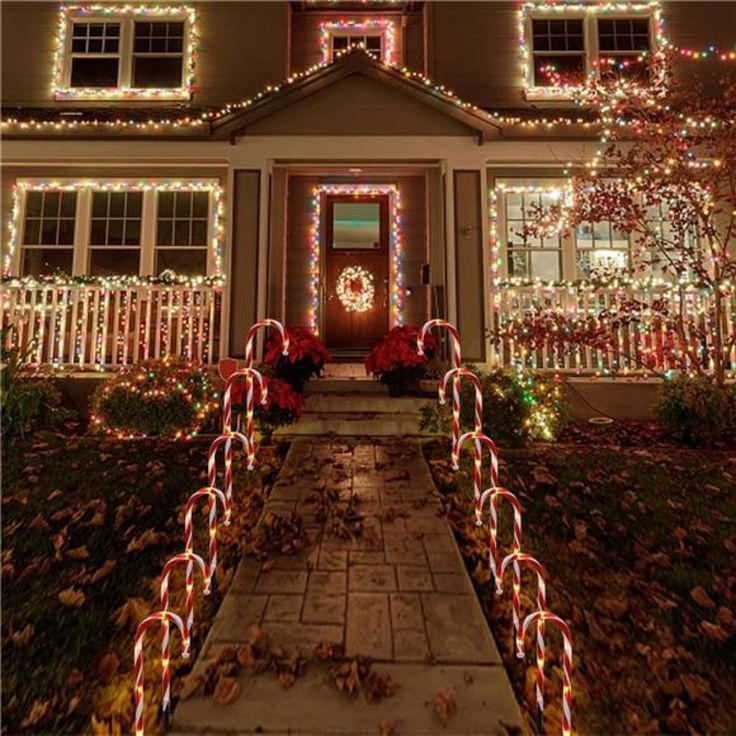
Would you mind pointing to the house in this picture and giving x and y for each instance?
(174, 171)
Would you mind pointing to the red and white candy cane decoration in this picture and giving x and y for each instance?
(492, 495)
(543, 617)
(253, 331)
(225, 439)
(184, 558)
(214, 495)
(480, 440)
(166, 618)
(459, 373)
(456, 360)
(249, 374)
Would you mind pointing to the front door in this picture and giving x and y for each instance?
(356, 295)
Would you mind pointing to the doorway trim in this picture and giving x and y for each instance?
(316, 251)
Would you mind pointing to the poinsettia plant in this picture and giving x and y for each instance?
(396, 360)
(307, 357)
(283, 405)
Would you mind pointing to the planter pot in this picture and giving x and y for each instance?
(395, 387)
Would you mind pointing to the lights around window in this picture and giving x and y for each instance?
(125, 52)
(375, 35)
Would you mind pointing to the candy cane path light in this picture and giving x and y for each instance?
(249, 374)
(458, 373)
(480, 440)
(456, 360)
(213, 494)
(253, 331)
(492, 495)
(166, 618)
(212, 457)
(547, 616)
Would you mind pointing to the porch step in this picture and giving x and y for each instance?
(344, 385)
(372, 403)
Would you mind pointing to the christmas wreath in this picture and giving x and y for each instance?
(355, 289)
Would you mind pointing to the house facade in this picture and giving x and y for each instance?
(174, 171)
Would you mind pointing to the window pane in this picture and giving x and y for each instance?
(132, 232)
(200, 207)
(48, 232)
(166, 204)
(68, 204)
(47, 261)
(94, 72)
(199, 232)
(98, 233)
(99, 204)
(134, 204)
(115, 232)
(548, 69)
(181, 232)
(32, 232)
(117, 204)
(183, 204)
(545, 265)
(116, 261)
(185, 262)
(33, 204)
(66, 232)
(51, 204)
(162, 72)
(165, 232)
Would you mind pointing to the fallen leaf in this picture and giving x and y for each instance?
(22, 637)
(108, 666)
(131, 613)
(40, 711)
(72, 597)
(78, 553)
(149, 538)
(107, 567)
(701, 597)
(387, 728)
(444, 705)
(189, 686)
(226, 691)
(714, 632)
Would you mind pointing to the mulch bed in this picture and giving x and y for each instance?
(639, 540)
(87, 525)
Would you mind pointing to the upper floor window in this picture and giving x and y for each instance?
(116, 227)
(125, 52)
(564, 45)
(376, 36)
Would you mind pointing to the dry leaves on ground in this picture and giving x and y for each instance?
(444, 706)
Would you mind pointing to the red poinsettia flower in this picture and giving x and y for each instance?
(303, 345)
(398, 350)
(281, 396)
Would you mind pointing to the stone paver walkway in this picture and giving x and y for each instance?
(398, 594)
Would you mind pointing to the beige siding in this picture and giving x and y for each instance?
(299, 223)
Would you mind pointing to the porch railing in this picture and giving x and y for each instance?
(649, 345)
(102, 327)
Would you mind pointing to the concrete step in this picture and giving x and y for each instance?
(363, 402)
(355, 423)
(345, 385)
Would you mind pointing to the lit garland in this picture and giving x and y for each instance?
(355, 289)
(397, 278)
(217, 231)
(651, 9)
(70, 13)
(365, 26)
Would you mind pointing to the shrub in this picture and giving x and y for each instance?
(395, 359)
(27, 402)
(517, 408)
(171, 397)
(694, 410)
(283, 405)
(307, 357)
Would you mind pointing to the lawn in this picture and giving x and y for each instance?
(639, 542)
(87, 525)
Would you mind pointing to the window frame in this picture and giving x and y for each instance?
(82, 248)
(590, 15)
(126, 16)
(383, 27)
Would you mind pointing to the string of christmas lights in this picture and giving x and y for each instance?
(68, 14)
(387, 28)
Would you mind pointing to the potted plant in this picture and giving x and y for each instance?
(307, 357)
(283, 406)
(396, 362)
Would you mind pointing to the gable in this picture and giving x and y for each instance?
(358, 106)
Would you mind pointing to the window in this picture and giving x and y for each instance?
(95, 54)
(372, 43)
(621, 42)
(115, 235)
(559, 51)
(600, 249)
(531, 256)
(116, 227)
(125, 51)
(181, 233)
(48, 232)
(157, 54)
(376, 35)
(567, 45)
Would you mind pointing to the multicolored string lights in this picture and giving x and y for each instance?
(364, 26)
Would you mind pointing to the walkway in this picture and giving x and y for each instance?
(398, 594)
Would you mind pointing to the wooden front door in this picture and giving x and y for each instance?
(356, 285)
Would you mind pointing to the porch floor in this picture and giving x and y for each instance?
(398, 594)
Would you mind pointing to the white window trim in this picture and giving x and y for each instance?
(126, 16)
(149, 216)
(590, 14)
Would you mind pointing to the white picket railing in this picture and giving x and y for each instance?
(654, 342)
(94, 327)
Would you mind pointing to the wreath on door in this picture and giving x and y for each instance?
(355, 289)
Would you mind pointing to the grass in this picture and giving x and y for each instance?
(97, 518)
(639, 545)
